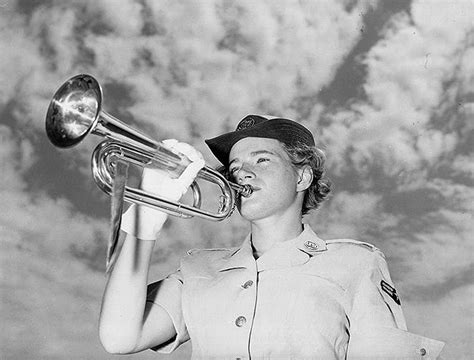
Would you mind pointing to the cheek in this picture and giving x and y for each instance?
(286, 178)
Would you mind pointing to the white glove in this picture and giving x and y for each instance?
(146, 223)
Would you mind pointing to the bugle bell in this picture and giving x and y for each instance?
(76, 111)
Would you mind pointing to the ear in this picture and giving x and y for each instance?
(305, 178)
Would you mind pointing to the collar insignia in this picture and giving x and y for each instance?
(311, 245)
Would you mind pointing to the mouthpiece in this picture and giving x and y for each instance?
(245, 190)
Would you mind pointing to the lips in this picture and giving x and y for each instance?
(250, 184)
(254, 189)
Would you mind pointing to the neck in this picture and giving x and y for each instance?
(268, 232)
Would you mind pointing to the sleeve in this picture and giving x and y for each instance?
(167, 294)
(377, 324)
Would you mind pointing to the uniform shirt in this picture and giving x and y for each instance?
(304, 298)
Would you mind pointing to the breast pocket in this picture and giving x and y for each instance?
(207, 300)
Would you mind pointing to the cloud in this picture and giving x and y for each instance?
(436, 255)
(124, 20)
(448, 319)
(399, 153)
(34, 221)
(15, 159)
(203, 72)
(405, 144)
(351, 215)
(463, 165)
(407, 73)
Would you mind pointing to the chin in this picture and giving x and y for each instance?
(252, 213)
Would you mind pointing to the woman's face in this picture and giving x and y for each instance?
(265, 165)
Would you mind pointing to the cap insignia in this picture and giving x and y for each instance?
(245, 124)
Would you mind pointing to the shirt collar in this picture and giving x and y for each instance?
(292, 252)
(242, 257)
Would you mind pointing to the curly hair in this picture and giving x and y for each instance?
(301, 155)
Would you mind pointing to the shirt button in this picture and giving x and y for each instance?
(247, 284)
(240, 321)
(423, 351)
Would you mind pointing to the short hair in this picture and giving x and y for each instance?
(304, 155)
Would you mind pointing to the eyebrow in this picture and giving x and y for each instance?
(255, 153)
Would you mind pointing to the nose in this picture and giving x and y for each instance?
(244, 174)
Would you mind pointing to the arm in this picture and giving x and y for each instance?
(377, 324)
(128, 322)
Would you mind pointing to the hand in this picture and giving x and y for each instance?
(144, 222)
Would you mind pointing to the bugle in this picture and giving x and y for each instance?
(76, 111)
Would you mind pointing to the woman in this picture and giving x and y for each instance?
(284, 293)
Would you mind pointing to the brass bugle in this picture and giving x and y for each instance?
(76, 111)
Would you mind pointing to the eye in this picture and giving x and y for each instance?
(233, 170)
(261, 160)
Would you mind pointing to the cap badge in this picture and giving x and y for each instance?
(311, 246)
(245, 124)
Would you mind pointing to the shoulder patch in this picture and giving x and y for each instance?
(366, 245)
(390, 291)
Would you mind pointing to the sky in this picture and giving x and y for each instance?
(387, 87)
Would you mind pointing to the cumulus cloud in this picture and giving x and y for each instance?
(407, 73)
(449, 317)
(351, 215)
(405, 143)
(399, 153)
(35, 221)
(232, 58)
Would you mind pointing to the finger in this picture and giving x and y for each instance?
(183, 148)
(189, 151)
(151, 178)
(189, 174)
(153, 174)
